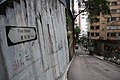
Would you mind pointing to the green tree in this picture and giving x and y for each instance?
(77, 32)
(94, 7)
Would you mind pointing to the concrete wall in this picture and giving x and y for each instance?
(46, 57)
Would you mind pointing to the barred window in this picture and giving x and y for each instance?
(97, 34)
(113, 11)
(118, 34)
(113, 19)
(91, 27)
(108, 34)
(108, 19)
(92, 34)
(97, 27)
(113, 34)
(113, 3)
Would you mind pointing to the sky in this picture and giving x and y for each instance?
(84, 24)
(75, 5)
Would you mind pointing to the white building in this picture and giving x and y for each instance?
(83, 20)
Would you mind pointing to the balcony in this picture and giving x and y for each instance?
(114, 23)
(114, 28)
(113, 38)
(94, 37)
(94, 30)
(115, 7)
(95, 23)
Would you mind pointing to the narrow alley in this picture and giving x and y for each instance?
(85, 67)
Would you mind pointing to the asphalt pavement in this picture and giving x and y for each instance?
(85, 67)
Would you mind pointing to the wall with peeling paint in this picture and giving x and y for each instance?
(46, 57)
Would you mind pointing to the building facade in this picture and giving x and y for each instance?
(105, 29)
(83, 21)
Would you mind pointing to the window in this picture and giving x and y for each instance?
(91, 27)
(113, 34)
(113, 19)
(118, 34)
(108, 34)
(97, 34)
(113, 3)
(92, 34)
(108, 19)
(113, 11)
(94, 20)
(97, 27)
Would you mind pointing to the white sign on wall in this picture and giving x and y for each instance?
(16, 35)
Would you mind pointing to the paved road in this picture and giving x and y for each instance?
(86, 67)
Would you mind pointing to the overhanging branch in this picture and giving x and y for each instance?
(79, 13)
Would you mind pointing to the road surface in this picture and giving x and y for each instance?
(86, 67)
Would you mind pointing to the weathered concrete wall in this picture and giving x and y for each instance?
(44, 58)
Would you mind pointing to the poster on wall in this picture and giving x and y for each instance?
(16, 35)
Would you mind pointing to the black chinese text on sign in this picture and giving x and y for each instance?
(16, 35)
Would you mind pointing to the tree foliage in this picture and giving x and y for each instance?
(94, 7)
(77, 30)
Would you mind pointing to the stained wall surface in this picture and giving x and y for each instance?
(44, 58)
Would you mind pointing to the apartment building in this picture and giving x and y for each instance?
(113, 21)
(83, 21)
(105, 29)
